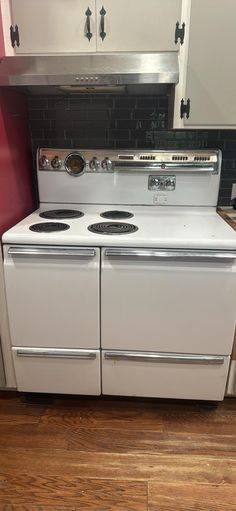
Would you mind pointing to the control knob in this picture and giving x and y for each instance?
(170, 184)
(56, 163)
(94, 164)
(107, 164)
(44, 162)
(155, 183)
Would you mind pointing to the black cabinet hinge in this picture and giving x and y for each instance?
(185, 108)
(179, 33)
(15, 37)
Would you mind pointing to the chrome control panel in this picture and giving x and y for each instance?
(77, 161)
(167, 183)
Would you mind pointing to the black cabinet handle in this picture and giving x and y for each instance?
(89, 34)
(102, 33)
(14, 35)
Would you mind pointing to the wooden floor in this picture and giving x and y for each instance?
(70, 453)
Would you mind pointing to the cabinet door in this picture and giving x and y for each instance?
(137, 25)
(53, 296)
(54, 26)
(211, 72)
(165, 302)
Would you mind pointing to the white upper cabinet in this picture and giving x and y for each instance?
(207, 66)
(137, 25)
(54, 26)
(83, 26)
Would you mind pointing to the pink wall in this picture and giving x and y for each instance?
(16, 197)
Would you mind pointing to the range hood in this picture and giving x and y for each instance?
(90, 72)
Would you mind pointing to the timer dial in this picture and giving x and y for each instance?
(75, 164)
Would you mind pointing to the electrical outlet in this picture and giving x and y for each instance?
(233, 191)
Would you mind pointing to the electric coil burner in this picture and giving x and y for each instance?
(112, 228)
(116, 214)
(61, 214)
(49, 227)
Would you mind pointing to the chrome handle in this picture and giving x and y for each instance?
(89, 34)
(168, 358)
(102, 33)
(37, 251)
(179, 167)
(175, 255)
(55, 353)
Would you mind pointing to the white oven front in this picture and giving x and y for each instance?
(167, 321)
(53, 306)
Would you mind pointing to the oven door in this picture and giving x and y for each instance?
(53, 296)
(177, 301)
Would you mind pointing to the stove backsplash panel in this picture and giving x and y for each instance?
(123, 122)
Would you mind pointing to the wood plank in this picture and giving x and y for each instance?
(29, 436)
(161, 467)
(219, 421)
(191, 497)
(108, 416)
(128, 441)
(189, 427)
(32, 507)
(83, 494)
(18, 419)
(133, 414)
(14, 410)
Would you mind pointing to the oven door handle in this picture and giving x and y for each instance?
(51, 252)
(55, 353)
(173, 358)
(180, 167)
(174, 255)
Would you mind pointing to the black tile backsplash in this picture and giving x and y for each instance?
(123, 122)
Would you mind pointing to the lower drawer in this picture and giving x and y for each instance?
(57, 370)
(167, 375)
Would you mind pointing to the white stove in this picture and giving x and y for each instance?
(123, 282)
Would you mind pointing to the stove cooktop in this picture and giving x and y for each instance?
(112, 228)
(158, 227)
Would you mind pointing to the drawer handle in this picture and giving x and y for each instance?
(174, 255)
(57, 353)
(64, 252)
(174, 358)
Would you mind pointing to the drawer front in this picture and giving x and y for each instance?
(60, 286)
(57, 370)
(174, 300)
(166, 375)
